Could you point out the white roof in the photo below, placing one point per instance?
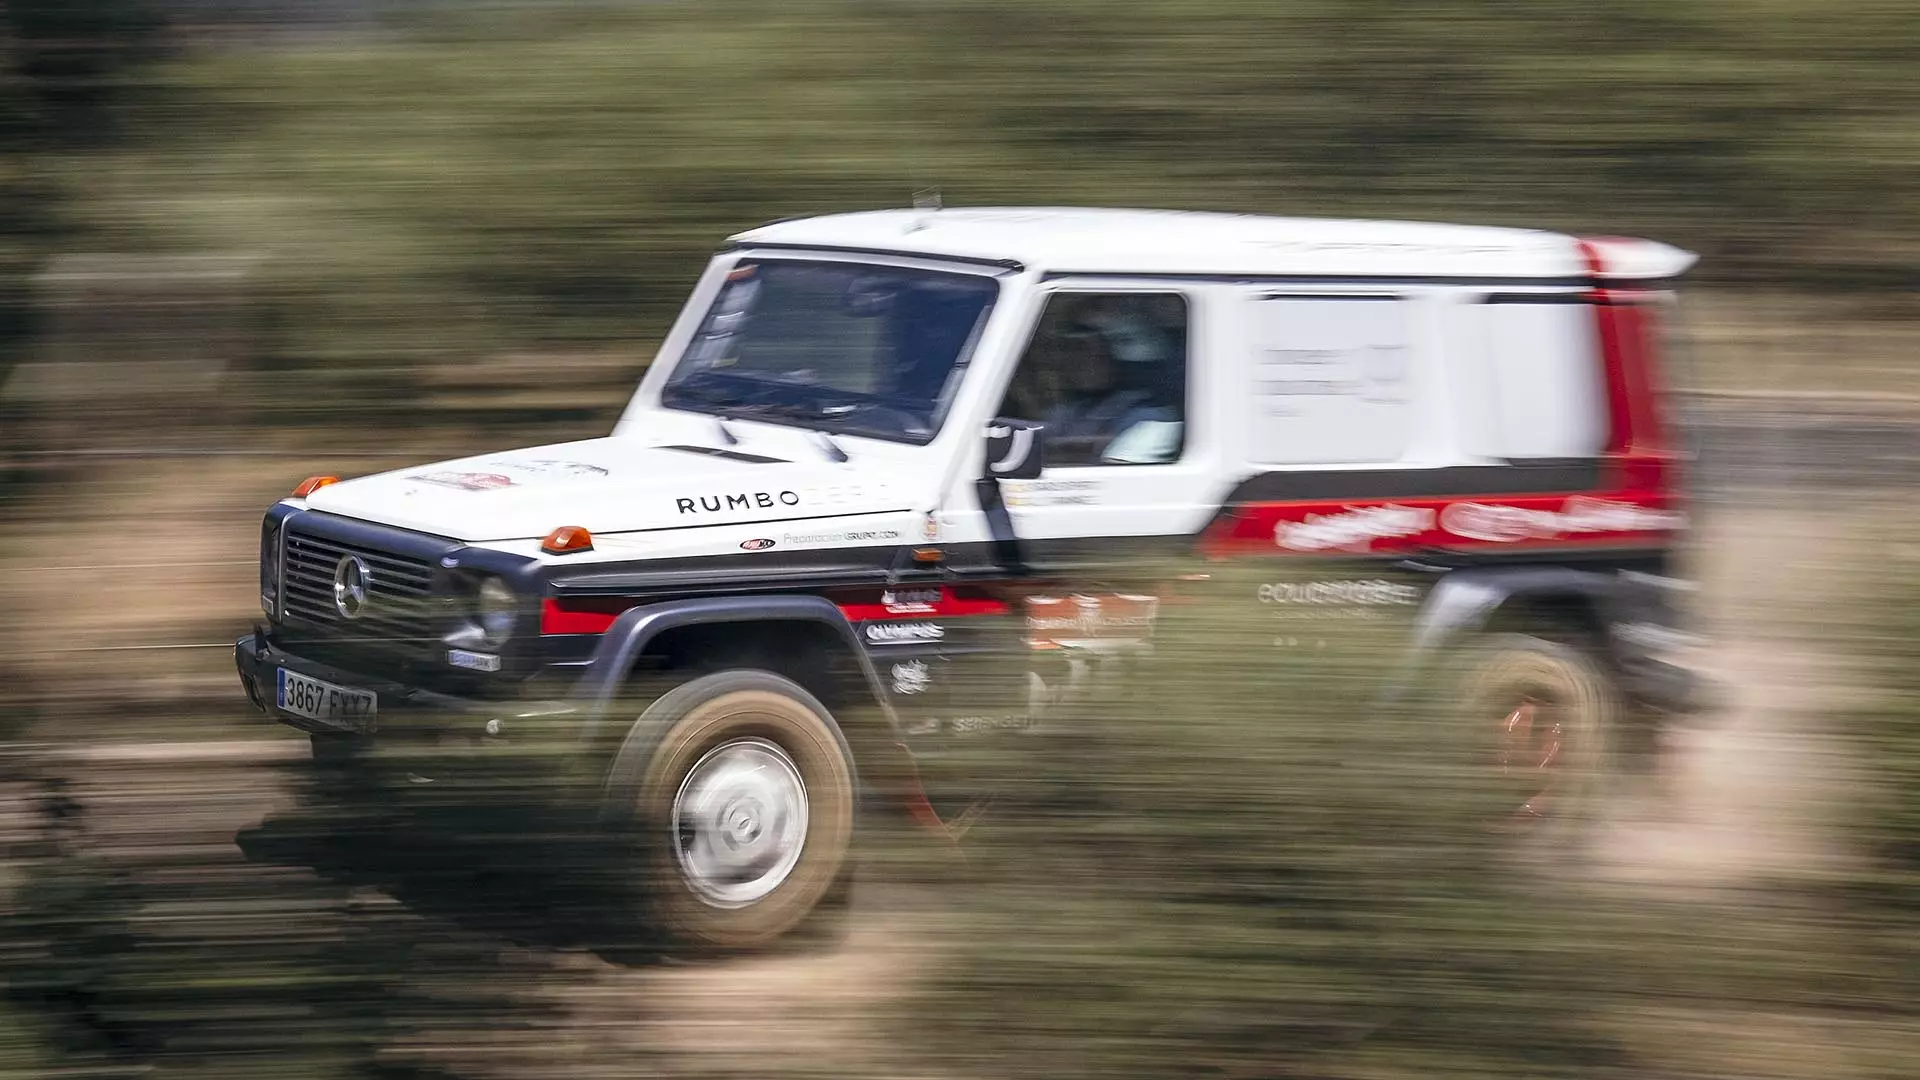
(1066, 240)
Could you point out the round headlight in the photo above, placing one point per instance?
(495, 607)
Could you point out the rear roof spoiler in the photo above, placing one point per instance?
(1623, 258)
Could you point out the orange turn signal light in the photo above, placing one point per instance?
(567, 539)
(928, 555)
(312, 484)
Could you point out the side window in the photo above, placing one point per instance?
(1542, 369)
(1107, 374)
(1330, 379)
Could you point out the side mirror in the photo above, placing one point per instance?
(1015, 450)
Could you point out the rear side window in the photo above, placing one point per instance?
(1331, 379)
(1538, 373)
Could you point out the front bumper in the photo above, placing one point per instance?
(401, 711)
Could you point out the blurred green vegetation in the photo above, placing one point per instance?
(66, 68)
(1240, 863)
(1241, 860)
(1881, 901)
(473, 178)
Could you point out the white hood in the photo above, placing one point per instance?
(611, 485)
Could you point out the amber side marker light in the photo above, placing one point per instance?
(566, 540)
(312, 484)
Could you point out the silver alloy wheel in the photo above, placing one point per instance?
(739, 822)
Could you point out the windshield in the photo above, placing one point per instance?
(859, 350)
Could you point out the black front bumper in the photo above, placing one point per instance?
(403, 711)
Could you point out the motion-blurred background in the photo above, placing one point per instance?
(244, 241)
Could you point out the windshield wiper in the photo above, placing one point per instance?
(833, 451)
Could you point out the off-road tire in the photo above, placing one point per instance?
(1502, 670)
(670, 737)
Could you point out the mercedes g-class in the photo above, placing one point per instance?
(884, 455)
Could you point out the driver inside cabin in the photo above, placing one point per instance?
(1106, 375)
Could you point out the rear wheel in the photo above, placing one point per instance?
(736, 795)
(1553, 714)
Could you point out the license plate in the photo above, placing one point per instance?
(335, 706)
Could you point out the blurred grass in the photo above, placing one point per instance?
(1239, 864)
(1241, 861)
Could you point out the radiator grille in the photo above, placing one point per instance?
(399, 604)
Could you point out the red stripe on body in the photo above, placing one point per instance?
(595, 614)
(582, 614)
(1474, 523)
(948, 606)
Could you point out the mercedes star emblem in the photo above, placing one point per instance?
(351, 580)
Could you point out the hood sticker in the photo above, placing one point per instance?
(548, 467)
(490, 481)
(465, 481)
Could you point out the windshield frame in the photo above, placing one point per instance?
(703, 305)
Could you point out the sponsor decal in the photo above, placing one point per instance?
(465, 481)
(904, 633)
(1353, 529)
(547, 467)
(847, 494)
(911, 677)
(473, 661)
(848, 536)
(1050, 492)
(1503, 524)
(910, 601)
(1369, 592)
(978, 725)
(1122, 616)
(758, 544)
(1409, 524)
(740, 500)
(927, 600)
(931, 531)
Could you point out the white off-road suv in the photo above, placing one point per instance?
(884, 455)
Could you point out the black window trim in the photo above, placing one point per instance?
(1003, 267)
(794, 254)
(1187, 297)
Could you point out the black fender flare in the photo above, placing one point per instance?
(1462, 601)
(623, 643)
(1630, 612)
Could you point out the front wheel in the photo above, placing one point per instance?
(737, 792)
